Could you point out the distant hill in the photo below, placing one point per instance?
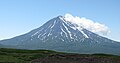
(48, 56)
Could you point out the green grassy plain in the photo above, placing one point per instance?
(26, 56)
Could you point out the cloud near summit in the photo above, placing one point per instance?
(88, 24)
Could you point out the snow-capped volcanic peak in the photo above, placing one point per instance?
(61, 29)
(67, 27)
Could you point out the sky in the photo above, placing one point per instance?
(18, 17)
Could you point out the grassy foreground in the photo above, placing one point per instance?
(37, 56)
(22, 56)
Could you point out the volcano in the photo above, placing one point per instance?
(61, 35)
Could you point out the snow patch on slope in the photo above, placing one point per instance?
(68, 31)
(84, 34)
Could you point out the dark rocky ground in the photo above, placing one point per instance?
(76, 58)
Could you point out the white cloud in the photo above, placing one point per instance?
(88, 24)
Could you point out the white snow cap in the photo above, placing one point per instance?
(88, 24)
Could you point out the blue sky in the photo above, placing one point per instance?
(21, 16)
